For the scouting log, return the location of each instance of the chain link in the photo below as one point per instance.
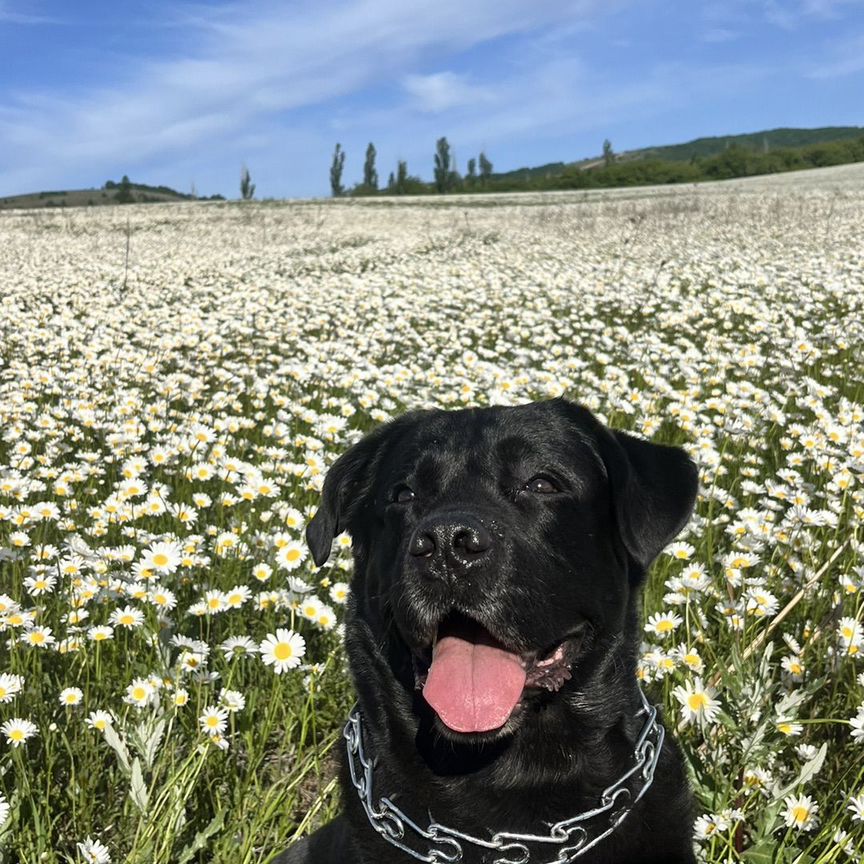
(575, 836)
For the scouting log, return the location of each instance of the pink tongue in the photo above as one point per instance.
(473, 687)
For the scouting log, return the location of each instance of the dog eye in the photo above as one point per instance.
(402, 495)
(541, 485)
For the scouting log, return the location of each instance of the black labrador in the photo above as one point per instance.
(492, 632)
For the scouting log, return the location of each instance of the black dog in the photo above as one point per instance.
(492, 632)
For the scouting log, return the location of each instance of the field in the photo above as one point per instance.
(175, 381)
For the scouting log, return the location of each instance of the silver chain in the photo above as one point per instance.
(575, 836)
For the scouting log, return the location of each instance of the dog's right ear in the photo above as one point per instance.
(346, 484)
(342, 487)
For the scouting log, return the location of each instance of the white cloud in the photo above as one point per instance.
(843, 58)
(443, 90)
(8, 15)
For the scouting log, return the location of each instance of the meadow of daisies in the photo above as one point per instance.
(176, 380)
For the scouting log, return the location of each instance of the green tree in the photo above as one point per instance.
(336, 168)
(391, 184)
(124, 192)
(247, 187)
(471, 177)
(443, 170)
(608, 153)
(401, 177)
(485, 168)
(370, 175)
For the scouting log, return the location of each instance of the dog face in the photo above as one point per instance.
(497, 548)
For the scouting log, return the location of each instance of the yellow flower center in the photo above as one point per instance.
(800, 814)
(697, 701)
(283, 651)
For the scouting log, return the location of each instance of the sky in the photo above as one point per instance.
(184, 94)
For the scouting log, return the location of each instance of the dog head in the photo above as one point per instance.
(495, 548)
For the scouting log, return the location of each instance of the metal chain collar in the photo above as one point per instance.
(575, 836)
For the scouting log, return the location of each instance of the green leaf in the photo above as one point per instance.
(201, 838)
(762, 853)
(118, 745)
(810, 769)
(138, 789)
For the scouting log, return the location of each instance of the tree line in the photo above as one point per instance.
(611, 170)
(446, 177)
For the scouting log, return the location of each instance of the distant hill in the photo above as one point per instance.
(111, 193)
(762, 142)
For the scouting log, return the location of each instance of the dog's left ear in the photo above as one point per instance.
(653, 488)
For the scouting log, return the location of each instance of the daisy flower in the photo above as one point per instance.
(663, 623)
(283, 651)
(94, 852)
(100, 720)
(238, 646)
(39, 585)
(10, 685)
(697, 702)
(71, 696)
(681, 551)
(164, 558)
(18, 730)
(162, 598)
(215, 602)
(800, 812)
(262, 572)
(709, 826)
(325, 619)
(232, 700)
(4, 809)
(293, 519)
(856, 807)
(291, 555)
(128, 616)
(339, 592)
(237, 596)
(311, 607)
(857, 724)
(139, 693)
(214, 720)
(38, 637)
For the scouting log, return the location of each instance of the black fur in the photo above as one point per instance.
(559, 562)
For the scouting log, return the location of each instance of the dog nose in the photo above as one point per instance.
(471, 540)
(461, 539)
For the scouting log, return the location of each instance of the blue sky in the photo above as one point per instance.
(181, 93)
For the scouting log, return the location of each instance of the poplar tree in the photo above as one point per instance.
(370, 175)
(336, 169)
